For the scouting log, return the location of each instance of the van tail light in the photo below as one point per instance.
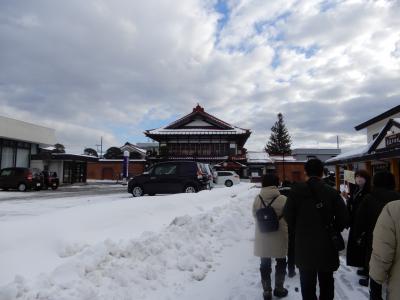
(29, 177)
(236, 176)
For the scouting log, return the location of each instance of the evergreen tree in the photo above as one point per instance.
(90, 151)
(113, 153)
(279, 141)
(59, 148)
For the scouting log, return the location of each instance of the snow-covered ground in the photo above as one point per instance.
(185, 246)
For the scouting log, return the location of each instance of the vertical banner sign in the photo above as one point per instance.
(125, 166)
(349, 176)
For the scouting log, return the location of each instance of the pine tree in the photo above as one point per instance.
(59, 148)
(279, 141)
(90, 151)
(114, 153)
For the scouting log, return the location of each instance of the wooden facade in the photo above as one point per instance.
(111, 169)
(200, 136)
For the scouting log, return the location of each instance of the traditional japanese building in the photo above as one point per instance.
(382, 151)
(202, 137)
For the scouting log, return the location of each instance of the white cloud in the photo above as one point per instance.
(116, 68)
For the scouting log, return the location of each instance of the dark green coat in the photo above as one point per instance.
(313, 246)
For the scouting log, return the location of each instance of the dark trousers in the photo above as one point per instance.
(308, 282)
(290, 261)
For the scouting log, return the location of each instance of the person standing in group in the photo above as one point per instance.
(355, 255)
(316, 255)
(291, 267)
(369, 211)
(385, 260)
(272, 244)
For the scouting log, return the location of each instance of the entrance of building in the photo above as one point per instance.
(74, 172)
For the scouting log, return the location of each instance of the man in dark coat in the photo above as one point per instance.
(315, 254)
(369, 210)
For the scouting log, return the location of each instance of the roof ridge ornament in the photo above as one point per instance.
(198, 108)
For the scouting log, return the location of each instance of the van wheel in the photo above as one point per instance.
(22, 187)
(137, 191)
(54, 187)
(190, 189)
(228, 183)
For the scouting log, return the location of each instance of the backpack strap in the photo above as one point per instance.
(269, 204)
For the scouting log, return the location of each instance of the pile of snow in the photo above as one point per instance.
(94, 254)
(185, 246)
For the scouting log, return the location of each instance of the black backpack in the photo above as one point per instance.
(268, 220)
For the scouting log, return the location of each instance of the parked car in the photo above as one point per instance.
(168, 178)
(227, 178)
(50, 180)
(21, 179)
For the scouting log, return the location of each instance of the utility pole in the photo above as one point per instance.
(337, 141)
(101, 147)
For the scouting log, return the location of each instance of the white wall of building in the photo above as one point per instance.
(23, 131)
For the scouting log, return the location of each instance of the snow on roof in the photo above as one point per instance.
(258, 157)
(118, 160)
(49, 148)
(359, 152)
(288, 158)
(352, 153)
(197, 131)
(134, 147)
(73, 154)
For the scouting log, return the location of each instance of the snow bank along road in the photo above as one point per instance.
(184, 246)
(64, 191)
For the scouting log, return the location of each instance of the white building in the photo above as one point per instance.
(19, 140)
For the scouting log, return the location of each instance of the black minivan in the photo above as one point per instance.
(21, 179)
(168, 178)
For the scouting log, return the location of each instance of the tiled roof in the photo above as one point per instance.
(197, 131)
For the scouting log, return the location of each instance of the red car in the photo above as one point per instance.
(50, 180)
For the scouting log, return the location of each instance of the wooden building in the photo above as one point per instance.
(202, 137)
(382, 151)
(111, 169)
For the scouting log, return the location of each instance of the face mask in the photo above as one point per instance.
(360, 180)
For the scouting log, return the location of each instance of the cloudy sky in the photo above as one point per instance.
(116, 68)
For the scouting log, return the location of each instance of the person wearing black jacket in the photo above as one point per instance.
(315, 254)
(285, 190)
(355, 254)
(369, 210)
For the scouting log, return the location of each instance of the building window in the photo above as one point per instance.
(7, 157)
(22, 158)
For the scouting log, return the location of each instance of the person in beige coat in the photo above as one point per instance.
(269, 245)
(385, 260)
